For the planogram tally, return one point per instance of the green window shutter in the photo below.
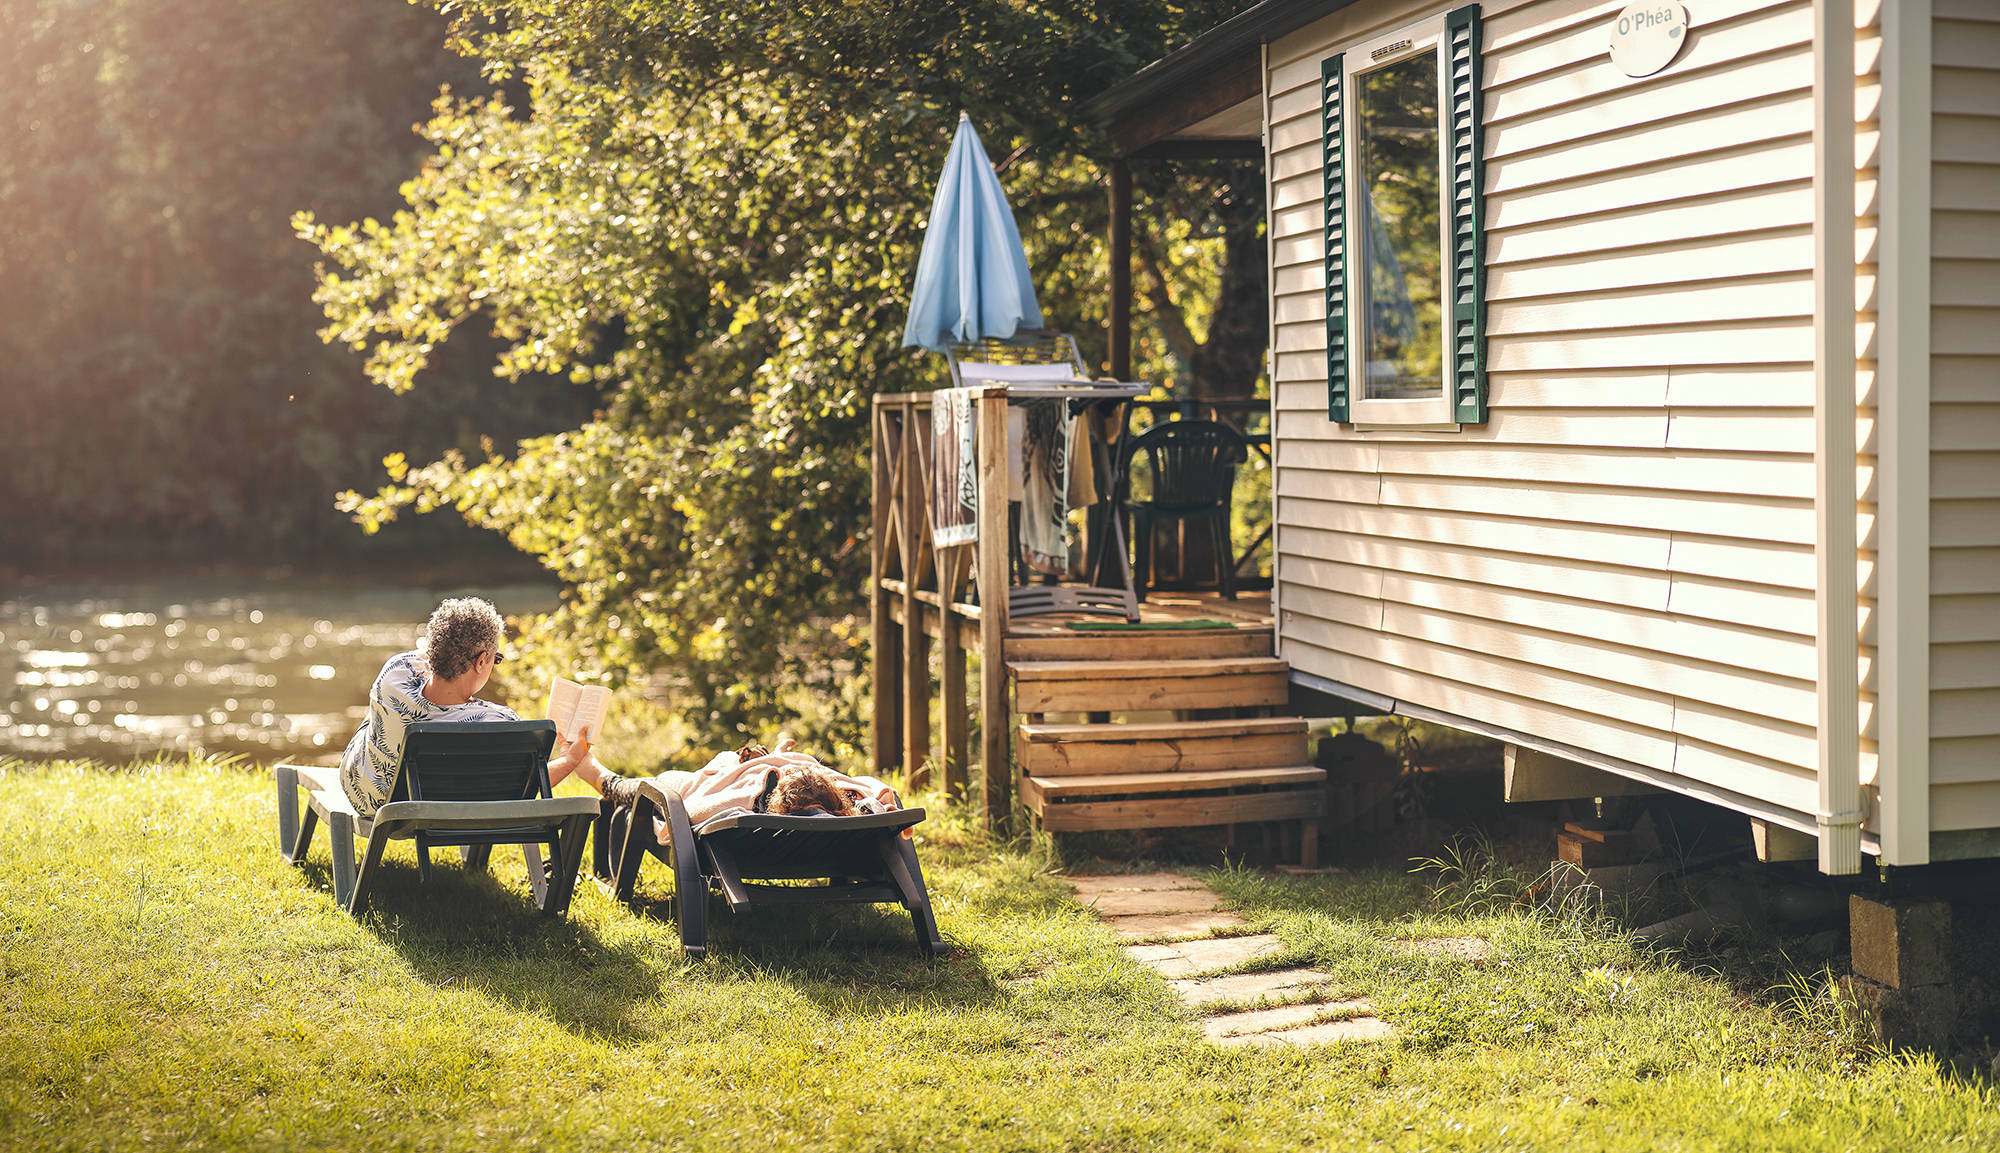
(1466, 367)
(1334, 200)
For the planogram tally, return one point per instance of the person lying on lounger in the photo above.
(751, 779)
(439, 681)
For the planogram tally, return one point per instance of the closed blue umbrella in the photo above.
(972, 277)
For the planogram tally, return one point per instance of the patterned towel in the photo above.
(728, 784)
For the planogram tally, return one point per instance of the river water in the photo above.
(120, 673)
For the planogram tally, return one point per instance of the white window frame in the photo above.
(1428, 414)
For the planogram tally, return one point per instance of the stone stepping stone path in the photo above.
(1184, 958)
(1276, 985)
(1289, 1006)
(1144, 906)
(1298, 1025)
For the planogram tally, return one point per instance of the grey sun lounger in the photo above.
(863, 860)
(467, 784)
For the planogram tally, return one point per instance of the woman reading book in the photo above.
(439, 681)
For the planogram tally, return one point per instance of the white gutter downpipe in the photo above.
(1903, 405)
(1834, 458)
(1271, 344)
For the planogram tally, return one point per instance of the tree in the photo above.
(1204, 265)
(712, 215)
(162, 379)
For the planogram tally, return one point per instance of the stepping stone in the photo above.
(1185, 958)
(1162, 959)
(1153, 902)
(1222, 952)
(1297, 1025)
(1138, 927)
(1472, 950)
(1251, 1041)
(1356, 1029)
(1259, 1021)
(1284, 984)
(1131, 883)
(1353, 1029)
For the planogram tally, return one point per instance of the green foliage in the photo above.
(1201, 324)
(1814, 999)
(161, 376)
(1468, 877)
(712, 215)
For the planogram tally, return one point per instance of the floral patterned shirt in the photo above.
(368, 768)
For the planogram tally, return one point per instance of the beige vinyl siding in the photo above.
(1965, 416)
(1622, 558)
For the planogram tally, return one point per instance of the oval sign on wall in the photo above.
(1647, 36)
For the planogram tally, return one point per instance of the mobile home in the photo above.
(1636, 386)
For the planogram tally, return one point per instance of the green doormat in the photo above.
(1147, 626)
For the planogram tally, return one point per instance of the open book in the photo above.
(578, 708)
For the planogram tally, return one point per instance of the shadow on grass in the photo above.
(472, 930)
(468, 929)
(761, 930)
(845, 958)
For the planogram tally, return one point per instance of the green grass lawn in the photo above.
(169, 983)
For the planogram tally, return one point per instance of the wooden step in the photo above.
(1167, 747)
(1130, 686)
(1121, 784)
(1126, 670)
(1175, 812)
(1202, 644)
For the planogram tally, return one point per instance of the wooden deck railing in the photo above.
(918, 591)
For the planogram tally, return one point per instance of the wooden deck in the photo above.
(1205, 749)
(1248, 610)
(1171, 728)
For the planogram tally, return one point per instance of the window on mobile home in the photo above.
(1405, 275)
(1396, 157)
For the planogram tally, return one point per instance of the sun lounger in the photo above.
(864, 860)
(472, 785)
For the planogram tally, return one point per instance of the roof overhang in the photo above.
(1222, 104)
(1204, 101)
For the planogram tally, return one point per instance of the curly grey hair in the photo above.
(457, 633)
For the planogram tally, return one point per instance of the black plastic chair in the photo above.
(1193, 472)
(467, 784)
(864, 860)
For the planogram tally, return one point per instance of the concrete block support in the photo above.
(1920, 1017)
(1902, 971)
(1901, 944)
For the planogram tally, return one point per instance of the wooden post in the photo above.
(885, 643)
(916, 703)
(994, 567)
(1120, 334)
(951, 659)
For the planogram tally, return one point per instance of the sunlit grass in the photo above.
(168, 982)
